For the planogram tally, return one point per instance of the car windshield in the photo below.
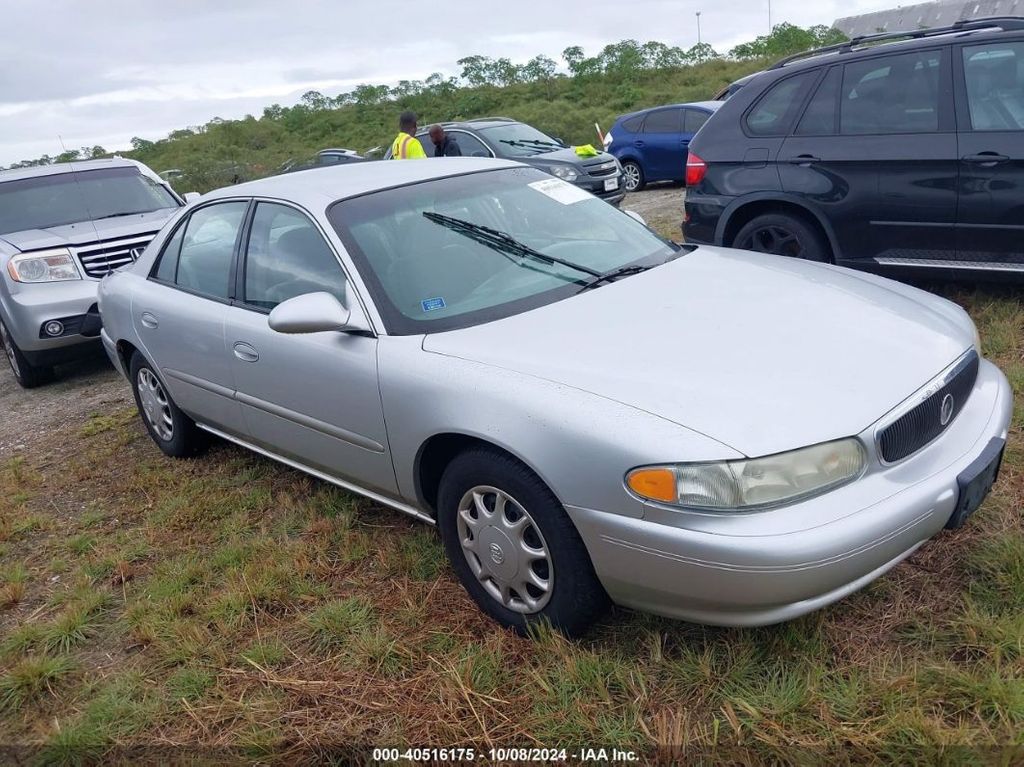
(68, 198)
(460, 251)
(520, 140)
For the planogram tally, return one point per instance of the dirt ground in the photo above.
(87, 388)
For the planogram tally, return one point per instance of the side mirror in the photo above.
(309, 313)
(635, 216)
(190, 196)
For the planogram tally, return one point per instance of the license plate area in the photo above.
(611, 184)
(976, 481)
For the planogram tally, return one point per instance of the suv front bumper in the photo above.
(29, 306)
(750, 570)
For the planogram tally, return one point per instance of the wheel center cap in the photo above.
(497, 553)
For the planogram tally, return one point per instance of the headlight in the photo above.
(563, 172)
(44, 266)
(751, 483)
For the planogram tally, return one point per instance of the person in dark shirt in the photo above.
(444, 145)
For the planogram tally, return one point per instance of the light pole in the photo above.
(769, 17)
(698, 27)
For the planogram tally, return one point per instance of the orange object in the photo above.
(656, 484)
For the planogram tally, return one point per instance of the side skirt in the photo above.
(403, 507)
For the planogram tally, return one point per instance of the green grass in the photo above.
(229, 601)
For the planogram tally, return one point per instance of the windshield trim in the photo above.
(397, 324)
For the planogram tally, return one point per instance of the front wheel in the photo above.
(782, 235)
(174, 432)
(513, 547)
(26, 374)
(634, 176)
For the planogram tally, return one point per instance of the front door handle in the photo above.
(245, 352)
(986, 159)
(803, 159)
(149, 320)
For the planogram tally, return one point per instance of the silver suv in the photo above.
(62, 228)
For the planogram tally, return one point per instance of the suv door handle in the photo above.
(986, 159)
(803, 159)
(149, 320)
(638, 143)
(245, 352)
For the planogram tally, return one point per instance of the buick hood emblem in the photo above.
(946, 409)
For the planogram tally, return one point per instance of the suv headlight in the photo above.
(564, 172)
(753, 483)
(53, 265)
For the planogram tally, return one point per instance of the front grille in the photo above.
(919, 426)
(101, 258)
(602, 169)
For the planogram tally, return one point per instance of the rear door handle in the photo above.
(245, 352)
(638, 143)
(803, 159)
(986, 159)
(149, 320)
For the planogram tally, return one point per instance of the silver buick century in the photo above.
(588, 412)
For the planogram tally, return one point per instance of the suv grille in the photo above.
(916, 428)
(101, 258)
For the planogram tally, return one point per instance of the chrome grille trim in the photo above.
(101, 258)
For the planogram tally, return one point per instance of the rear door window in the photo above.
(994, 75)
(633, 124)
(775, 110)
(893, 94)
(664, 121)
(819, 119)
(693, 120)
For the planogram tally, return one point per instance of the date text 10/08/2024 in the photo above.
(512, 754)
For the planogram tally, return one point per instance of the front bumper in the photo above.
(597, 187)
(760, 568)
(28, 307)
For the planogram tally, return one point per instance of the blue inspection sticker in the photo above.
(432, 304)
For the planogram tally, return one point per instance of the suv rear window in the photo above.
(774, 111)
(894, 94)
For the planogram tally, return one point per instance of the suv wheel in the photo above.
(174, 432)
(634, 176)
(26, 374)
(782, 235)
(513, 547)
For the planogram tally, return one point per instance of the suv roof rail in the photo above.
(1005, 23)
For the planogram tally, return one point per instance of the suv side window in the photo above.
(664, 121)
(994, 75)
(693, 119)
(469, 144)
(204, 248)
(819, 118)
(893, 94)
(774, 111)
(287, 256)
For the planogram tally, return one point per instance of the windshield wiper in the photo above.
(614, 274)
(502, 241)
(126, 213)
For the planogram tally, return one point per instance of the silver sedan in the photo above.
(588, 412)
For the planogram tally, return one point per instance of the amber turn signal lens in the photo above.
(656, 484)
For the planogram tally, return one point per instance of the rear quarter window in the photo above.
(773, 113)
(632, 124)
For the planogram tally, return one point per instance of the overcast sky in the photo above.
(102, 72)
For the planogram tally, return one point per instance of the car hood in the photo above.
(761, 353)
(567, 155)
(87, 232)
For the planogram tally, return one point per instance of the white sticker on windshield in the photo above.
(560, 190)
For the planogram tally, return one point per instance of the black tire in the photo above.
(575, 599)
(634, 175)
(173, 432)
(782, 234)
(26, 374)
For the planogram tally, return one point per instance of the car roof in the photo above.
(57, 168)
(316, 186)
(711, 106)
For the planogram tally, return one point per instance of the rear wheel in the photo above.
(782, 234)
(634, 176)
(26, 374)
(513, 547)
(174, 432)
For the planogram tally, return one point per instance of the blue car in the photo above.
(652, 144)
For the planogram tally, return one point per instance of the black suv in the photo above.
(903, 154)
(504, 137)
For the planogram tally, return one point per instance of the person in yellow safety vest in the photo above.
(406, 146)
